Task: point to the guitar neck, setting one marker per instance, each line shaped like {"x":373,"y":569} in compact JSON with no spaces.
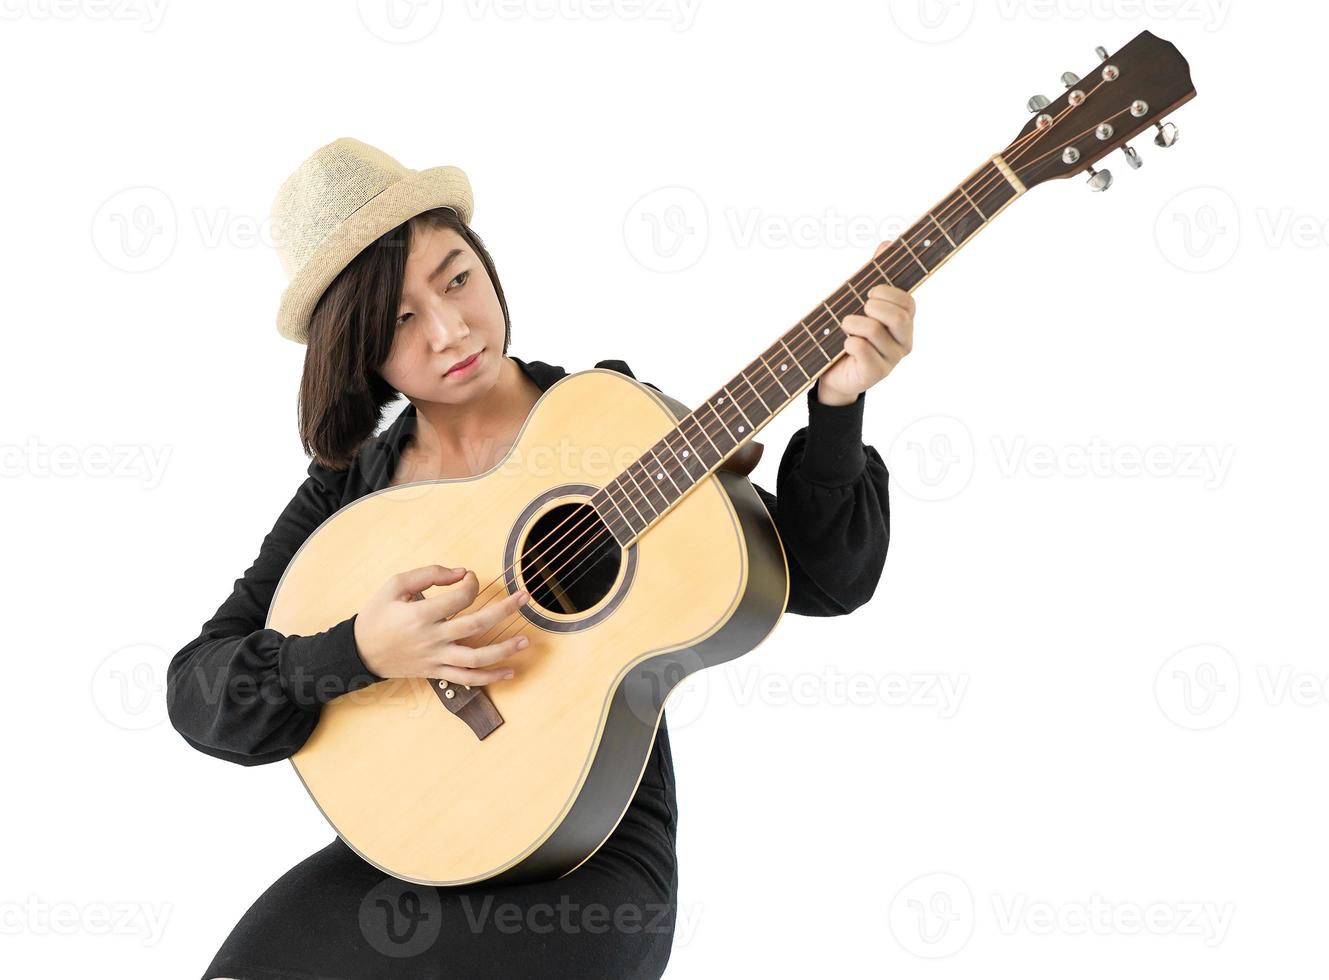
{"x":705,"y":438}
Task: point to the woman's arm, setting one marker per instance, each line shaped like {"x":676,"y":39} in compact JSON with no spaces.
{"x":252,"y":695}
{"x":832,"y":510}
{"x":830,"y":507}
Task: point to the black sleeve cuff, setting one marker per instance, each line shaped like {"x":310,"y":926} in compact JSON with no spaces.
{"x":833,"y":453}
{"x":317,"y":668}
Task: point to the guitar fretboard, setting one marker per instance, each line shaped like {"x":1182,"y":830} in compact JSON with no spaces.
{"x":706,"y":437}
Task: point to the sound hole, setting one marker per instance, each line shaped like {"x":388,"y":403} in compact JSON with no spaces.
{"x":569,"y":560}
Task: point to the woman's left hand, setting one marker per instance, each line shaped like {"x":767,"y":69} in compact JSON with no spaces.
{"x":876,"y":343}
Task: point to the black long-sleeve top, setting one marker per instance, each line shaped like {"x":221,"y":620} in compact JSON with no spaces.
{"x":251,"y":695}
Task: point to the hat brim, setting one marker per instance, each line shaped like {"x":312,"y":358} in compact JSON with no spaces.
{"x":416,"y":192}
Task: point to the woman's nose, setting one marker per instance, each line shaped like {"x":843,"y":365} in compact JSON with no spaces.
{"x":445,"y":328}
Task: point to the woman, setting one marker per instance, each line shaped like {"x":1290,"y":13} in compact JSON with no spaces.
{"x":393,"y":293}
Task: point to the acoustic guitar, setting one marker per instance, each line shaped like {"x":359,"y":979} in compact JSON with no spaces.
{"x":647,"y":552}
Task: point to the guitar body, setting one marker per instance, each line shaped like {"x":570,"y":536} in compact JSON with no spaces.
{"x":402,"y":779}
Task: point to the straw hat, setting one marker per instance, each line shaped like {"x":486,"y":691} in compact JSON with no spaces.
{"x":345,"y":196}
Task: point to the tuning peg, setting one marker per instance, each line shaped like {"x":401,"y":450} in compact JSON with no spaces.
{"x":1167,"y":134}
{"x":1037,"y":103}
{"x":1099,"y":180}
{"x":1132,"y":157}
{"x":1102,"y":53}
{"x":1069,"y":78}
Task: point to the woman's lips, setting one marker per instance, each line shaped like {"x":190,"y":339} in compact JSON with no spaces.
{"x":466,"y":367}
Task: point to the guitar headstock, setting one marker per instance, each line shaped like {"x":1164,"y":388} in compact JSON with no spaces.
{"x":1123,"y":95}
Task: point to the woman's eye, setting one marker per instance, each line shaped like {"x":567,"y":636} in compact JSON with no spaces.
{"x":402,"y":319}
{"x":464,"y":276}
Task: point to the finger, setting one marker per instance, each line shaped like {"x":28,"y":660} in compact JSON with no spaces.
{"x":872,"y":331}
{"x":407,"y":585}
{"x":875,"y":362}
{"x":479,"y":621}
{"x":893,"y":294}
{"x":882,"y":247}
{"x":437,"y":608}
{"x":475,"y":658}
{"x":471,"y":678}
{"x":897,"y":321}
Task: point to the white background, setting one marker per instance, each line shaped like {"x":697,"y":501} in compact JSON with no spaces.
{"x":1126,"y":776}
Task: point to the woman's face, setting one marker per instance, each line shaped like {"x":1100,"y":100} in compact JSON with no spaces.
{"x":449,"y":312}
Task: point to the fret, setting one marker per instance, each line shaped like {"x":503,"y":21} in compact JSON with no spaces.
{"x":662,"y":472}
{"x":797,"y":363}
{"x":813,"y":334}
{"x":644,"y":477}
{"x":734,"y":401}
{"x":903,"y":241}
{"x":610,"y":520}
{"x":622,"y":488}
{"x":693,"y":419}
{"x":723,"y":425}
{"x":942,"y":229}
{"x":931,"y":250}
{"x":704,"y":438}
{"x":693,"y":465}
{"x":773,"y":374}
{"x":641,"y":498}
{"x":756,"y":392}
{"x":972,"y":204}
{"x":962,"y":219}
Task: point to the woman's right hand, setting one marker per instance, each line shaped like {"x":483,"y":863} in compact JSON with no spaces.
{"x":401,"y":634}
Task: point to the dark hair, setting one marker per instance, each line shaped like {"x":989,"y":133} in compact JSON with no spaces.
{"x":342,"y":394}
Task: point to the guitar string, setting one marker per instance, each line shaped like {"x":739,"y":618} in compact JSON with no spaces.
{"x":591,"y":522}
{"x":1013,"y":154}
{"x":904,"y":262}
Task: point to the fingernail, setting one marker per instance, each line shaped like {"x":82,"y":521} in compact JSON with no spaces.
{"x":509,"y":675}
{"x":523,"y":643}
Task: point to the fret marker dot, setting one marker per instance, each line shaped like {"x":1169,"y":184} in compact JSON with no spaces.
{"x":927,"y":243}
{"x":740,"y":428}
{"x":784,"y":367}
{"x":659,"y":476}
{"x":685,"y":454}
{"x":825,"y":331}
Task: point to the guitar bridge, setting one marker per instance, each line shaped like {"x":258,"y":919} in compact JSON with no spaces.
{"x":471,"y":704}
